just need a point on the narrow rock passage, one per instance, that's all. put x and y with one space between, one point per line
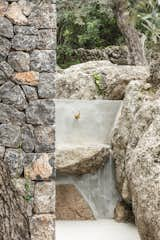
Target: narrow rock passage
95 230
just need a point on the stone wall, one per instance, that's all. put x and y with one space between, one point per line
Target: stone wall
27 66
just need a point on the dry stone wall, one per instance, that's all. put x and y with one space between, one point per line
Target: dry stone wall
27 112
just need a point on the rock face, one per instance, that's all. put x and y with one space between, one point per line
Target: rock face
80 160
97 80
70 205
136 145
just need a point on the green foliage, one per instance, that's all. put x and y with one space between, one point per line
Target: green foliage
28 196
146 16
98 82
84 24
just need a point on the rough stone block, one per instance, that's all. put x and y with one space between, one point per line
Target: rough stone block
19 61
5 46
26 30
43 17
46 86
9 114
30 93
40 112
46 39
10 135
13 95
44 139
27 78
15 15
28 140
6 69
22 42
43 227
6 28
15 159
39 166
43 60
44 198
25 188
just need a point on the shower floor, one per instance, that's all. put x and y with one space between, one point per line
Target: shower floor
95 230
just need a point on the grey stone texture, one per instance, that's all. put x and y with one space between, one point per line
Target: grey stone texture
11 114
5 46
43 60
40 112
15 158
10 135
28 140
30 92
27 136
12 94
6 28
44 197
46 85
44 139
6 69
22 42
19 61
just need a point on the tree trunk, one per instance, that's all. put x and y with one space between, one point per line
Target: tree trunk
14 223
131 35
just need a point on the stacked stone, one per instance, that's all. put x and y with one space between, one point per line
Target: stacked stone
27 131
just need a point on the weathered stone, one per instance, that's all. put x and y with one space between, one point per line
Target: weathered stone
137 158
6 28
43 227
3 77
123 212
15 15
80 160
44 198
25 188
2 151
15 159
41 112
28 141
26 30
46 39
5 46
154 78
135 95
97 79
27 78
10 135
46 86
39 166
30 93
6 68
43 61
19 61
26 7
70 204
22 42
9 114
43 17
13 95
44 139
3 7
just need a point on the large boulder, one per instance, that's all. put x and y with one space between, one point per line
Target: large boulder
81 160
136 147
97 80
